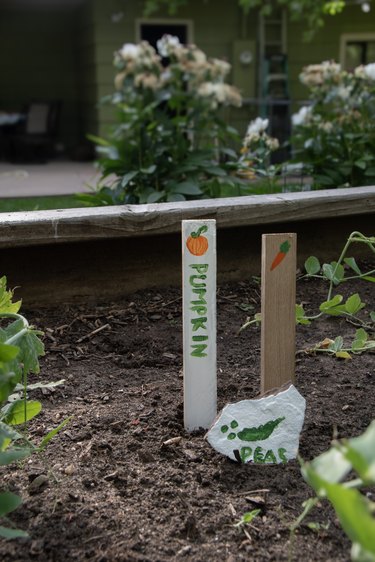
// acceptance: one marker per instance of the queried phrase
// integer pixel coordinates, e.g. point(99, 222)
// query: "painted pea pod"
point(261, 432)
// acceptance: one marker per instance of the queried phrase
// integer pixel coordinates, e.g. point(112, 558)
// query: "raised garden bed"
point(115, 490)
point(111, 251)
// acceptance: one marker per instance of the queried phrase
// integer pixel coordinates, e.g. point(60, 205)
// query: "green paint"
point(282, 456)
point(200, 231)
point(245, 453)
point(198, 350)
point(259, 433)
point(199, 307)
point(261, 456)
point(285, 247)
point(199, 323)
point(233, 424)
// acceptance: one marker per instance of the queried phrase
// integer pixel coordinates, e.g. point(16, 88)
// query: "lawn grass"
point(10, 205)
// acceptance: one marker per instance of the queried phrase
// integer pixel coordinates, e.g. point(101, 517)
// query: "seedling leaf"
point(19, 412)
point(7, 533)
point(333, 272)
point(247, 517)
point(300, 315)
point(360, 452)
point(333, 306)
point(47, 438)
point(337, 344)
point(312, 265)
point(354, 304)
point(343, 355)
point(8, 502)
point(353, 265)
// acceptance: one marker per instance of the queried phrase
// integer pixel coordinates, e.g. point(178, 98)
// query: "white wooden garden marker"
point(199, 322)
point(278, 332)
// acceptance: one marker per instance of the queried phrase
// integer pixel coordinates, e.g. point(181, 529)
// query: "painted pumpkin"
point(196, 243)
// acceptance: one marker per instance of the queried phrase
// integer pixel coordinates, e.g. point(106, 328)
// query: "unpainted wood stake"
point(279, 256)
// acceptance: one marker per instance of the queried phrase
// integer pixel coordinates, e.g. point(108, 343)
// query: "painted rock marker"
point(278, 327)
point(199, 322)
point(261, 431)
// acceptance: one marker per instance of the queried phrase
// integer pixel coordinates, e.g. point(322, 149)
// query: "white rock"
point(265, 430)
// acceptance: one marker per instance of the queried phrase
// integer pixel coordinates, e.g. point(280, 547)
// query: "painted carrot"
point(284, 249)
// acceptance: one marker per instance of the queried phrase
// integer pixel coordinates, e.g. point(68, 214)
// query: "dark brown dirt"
point(115, 492)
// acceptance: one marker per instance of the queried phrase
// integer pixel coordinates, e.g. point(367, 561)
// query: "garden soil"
point(123, 481)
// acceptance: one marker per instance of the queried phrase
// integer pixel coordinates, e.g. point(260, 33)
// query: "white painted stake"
point(199, 322)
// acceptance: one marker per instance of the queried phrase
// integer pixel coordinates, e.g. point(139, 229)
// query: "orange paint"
point(196, 243)
point(284, 249)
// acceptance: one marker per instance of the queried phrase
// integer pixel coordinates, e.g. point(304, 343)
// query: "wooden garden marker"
point(279, 253)
point(199, 322)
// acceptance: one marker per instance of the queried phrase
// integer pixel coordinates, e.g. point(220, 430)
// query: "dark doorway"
point(152, 32)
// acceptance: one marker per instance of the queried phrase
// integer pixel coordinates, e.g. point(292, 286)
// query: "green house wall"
point(67, 54)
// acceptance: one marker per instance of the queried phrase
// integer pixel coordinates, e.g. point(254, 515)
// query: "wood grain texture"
point(278, 310)
point(72, 225)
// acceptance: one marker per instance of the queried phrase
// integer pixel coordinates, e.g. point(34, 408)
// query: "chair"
point(35, 142)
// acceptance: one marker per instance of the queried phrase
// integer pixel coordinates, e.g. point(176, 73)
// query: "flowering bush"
point(335, 135)
point(256, 152)
point(169, 143)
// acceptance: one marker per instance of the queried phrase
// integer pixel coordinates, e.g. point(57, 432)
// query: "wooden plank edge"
point(70, 225)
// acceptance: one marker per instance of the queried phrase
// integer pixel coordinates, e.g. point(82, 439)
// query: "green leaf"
point(155, 196)
point(354, 304)
point(31, 347)
point(337, 344)
point(98, 140)
point(360, 164)
point(333, 272)
point(359, 554)
point(8, 352)
point(360, 452)
point(13, 455)
point(353, 265)
point(300, 315)
point(7, 533)
point(369, 278)
point(372, 316)
point(6, 304)
point(7, 435)
point(312, 265)
point(370, 172)
point(8, 502)
point(47, 438)
point(343, 355)
point(332, 306)
point(172, 197)
point(355, 514)
point(248, 517)
point(128, 177)
point(19, 413)
point(148, 171)
point(186, 188)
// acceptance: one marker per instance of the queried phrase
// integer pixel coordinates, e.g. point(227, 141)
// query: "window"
point(357, 49)
point(152, 30)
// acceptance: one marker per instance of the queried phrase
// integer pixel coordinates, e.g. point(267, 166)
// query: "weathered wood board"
point(278, 332)
point(199, 322)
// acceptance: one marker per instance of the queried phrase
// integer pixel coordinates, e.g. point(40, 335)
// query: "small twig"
point(93, 333)
point(261, 490)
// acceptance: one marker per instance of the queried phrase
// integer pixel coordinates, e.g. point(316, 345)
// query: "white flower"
point(129, 51)
point(302, 117)
point(220, 93)
point(369, 71)
point(257, 126)
point(343, 93)
point(167, 44)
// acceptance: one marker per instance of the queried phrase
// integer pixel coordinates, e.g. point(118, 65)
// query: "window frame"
point(352, 38)
point(165, 21)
